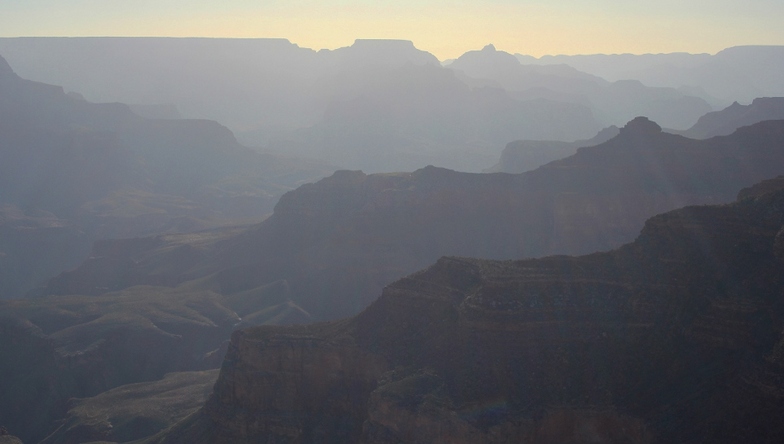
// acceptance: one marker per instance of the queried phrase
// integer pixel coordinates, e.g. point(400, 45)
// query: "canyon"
point(675, 337)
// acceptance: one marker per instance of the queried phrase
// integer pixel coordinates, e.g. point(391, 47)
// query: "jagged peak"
point(641, 126)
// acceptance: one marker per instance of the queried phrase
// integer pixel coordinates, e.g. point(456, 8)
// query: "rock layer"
point(339, 241)
point(675, 337)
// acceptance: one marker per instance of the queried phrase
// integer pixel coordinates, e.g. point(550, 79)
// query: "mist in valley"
point(230, 240)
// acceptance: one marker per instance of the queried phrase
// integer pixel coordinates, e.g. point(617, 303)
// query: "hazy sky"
point(445, 28)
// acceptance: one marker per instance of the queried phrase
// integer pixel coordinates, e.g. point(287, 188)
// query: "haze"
point(356, 222)
point(446, 29)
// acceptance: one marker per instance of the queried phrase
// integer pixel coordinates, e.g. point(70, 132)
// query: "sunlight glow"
point(447, 29)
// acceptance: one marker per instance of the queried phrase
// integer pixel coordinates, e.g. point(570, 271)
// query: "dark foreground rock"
point(676, 337)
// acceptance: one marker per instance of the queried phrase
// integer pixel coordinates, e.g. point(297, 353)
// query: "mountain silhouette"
point(526, 155)
point(377, 105)
point(613, 103)
point(726, 121)
point(739, 73)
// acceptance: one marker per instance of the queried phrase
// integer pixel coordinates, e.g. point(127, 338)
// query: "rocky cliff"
point(338, 242)
point(332, 246)
point(675, 337)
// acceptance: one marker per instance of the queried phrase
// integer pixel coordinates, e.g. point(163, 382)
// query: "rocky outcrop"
point(162, 304)
point(640, 127)
point(672, 338)
point(526, 155)
point(361, 231)
point(301, 388)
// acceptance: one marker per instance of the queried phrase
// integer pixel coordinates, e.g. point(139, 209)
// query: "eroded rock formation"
point(339, 241)
point(675, 337)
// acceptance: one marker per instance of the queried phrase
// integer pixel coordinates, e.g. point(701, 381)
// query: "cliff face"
point(299, 389)
point(675, 337)
point(332, 246)
point(339, 241)
point(347, 236)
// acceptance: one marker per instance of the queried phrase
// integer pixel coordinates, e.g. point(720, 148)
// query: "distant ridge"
point(726, 121)
point(526, 155)
point(377, 105)
point(613, 103)
point(739, 73)
point(72, 172)
point(359, 231)
point(385, 51)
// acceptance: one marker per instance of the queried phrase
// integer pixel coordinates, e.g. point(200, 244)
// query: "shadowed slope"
point(72, 172)
point(60, 347)
point(673, 338)
point(526, 155)
point(331, 246)
point(726, 121)
point(134, 411)
point(339, 241)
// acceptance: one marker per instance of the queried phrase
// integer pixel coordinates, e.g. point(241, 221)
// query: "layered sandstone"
point(673, 338)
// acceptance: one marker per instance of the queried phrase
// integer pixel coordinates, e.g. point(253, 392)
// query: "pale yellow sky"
point(444, 28)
